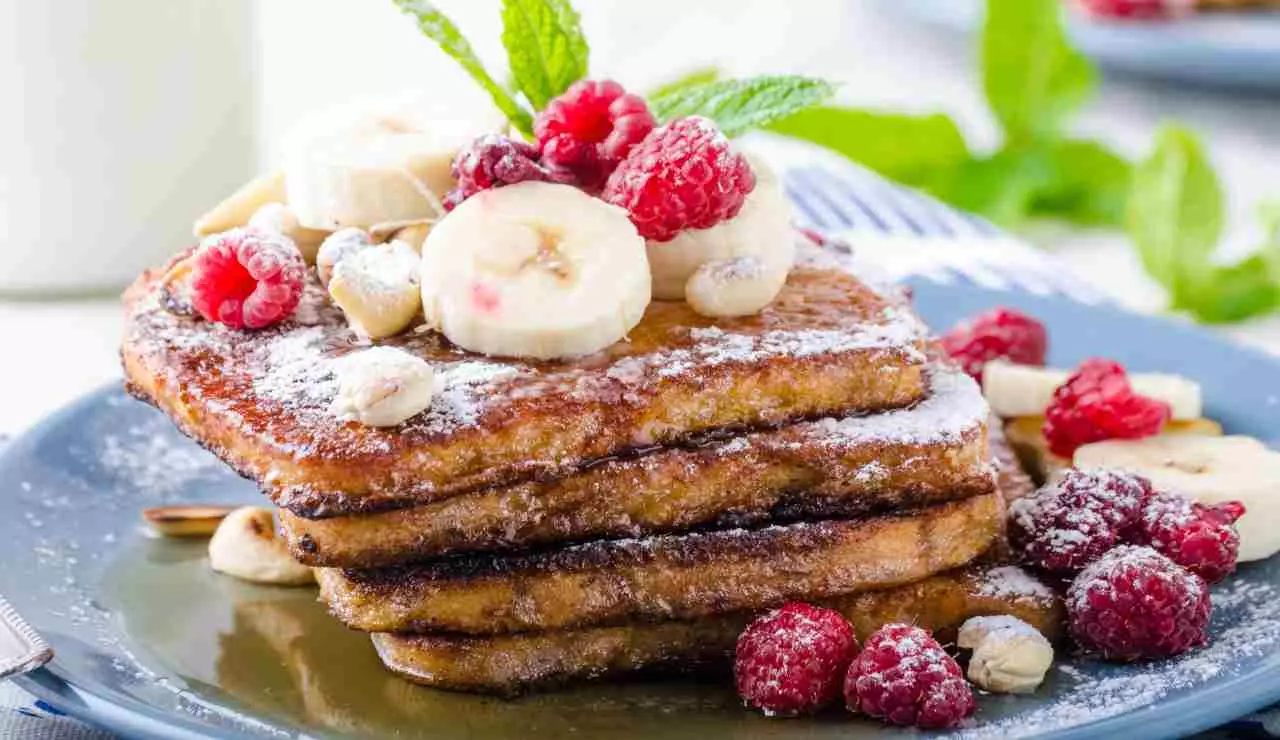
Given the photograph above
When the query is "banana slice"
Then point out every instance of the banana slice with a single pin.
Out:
(534, 270)
(245, 546)
(762, 229)
(382, 387)
(377, 167)
(278, 218)
(1025, 435)
(737, 287)
(236, 209)
(1022, 390)
(1210, 470)
(377, 287)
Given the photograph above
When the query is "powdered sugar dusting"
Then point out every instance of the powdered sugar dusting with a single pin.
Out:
(953, 407)
(1012, 581)
(293, 371)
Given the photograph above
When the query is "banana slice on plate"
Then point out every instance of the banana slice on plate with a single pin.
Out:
(245, 546)
(377, 167)
(1022, 390)
(1210, 470)
(236, 209)
(1026, 436)
(534, 270)
(762, 229)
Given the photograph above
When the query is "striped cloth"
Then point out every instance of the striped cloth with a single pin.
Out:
(894, 230)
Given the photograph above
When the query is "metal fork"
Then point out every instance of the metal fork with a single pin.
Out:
(21, 649)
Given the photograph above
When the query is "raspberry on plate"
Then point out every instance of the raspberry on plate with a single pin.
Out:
(246, 278)
(792, 660)
(903, 676)
(493, 161)
(590, 128)
(1202, 539)
(684, 175)
(1071, 522)
(1136, 9)
(1135, 603)
(1097, 403)
(999, 334)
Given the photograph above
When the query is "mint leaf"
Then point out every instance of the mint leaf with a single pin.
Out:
(909, 149)
(1175, 213)
(1000, 187)
(738, 105)
(1235, 293)
(545, 47)
(1032, 75)
(437, 27)
(692, 78)
(1090, 184)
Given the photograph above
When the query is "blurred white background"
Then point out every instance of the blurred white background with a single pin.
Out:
(133, 115)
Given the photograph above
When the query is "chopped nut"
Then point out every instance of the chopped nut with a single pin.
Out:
(245, 546)
(1009, 655)
(186, 521)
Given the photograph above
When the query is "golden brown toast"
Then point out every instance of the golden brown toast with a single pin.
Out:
(663, 577)
(933, 452)
(508, 664)
(829, 344)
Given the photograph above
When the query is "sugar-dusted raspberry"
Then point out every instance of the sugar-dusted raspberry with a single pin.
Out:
(493, 161)
(246, 278)
(1097, 403)
(1136, 603)
(684, 175)
(1137, 9)
(1073, 521)
(999, 334)
(1202, 539)
(793, 660)
(903, 676)
(590, 128)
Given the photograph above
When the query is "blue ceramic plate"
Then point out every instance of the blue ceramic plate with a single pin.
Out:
(151, 644)
(1237, 50)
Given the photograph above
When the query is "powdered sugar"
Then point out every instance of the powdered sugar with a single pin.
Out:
(292, 370)
(1012, 581)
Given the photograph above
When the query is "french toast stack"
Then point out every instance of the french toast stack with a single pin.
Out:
(548, 521)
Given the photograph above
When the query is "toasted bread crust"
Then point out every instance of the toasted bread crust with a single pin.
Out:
(828, 344)
(508, 664)
(903, 459)
(665, 577)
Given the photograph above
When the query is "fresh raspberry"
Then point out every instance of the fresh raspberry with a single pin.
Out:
(1136, 603)
(1072, 522)
(246, 278)
(999, 334)
(492, 161)
(590, 128)
(682, 176)
(1137, 9)
(1097, 403)
(792, 660)
(1202, 539)
(903, 676)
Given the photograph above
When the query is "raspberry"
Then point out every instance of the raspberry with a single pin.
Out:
(1136, 603)
(590, 128)
(1137, 9)
(1202, 539)
(792, 660)
(903, 676)
(492, 161)
(999, 334)
(682, 176)
(247, 279)
(1097, 403)
(1072, 522)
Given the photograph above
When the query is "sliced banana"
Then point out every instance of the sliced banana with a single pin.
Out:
(278, 218)
(377, 166)
(335, 248)
(534, 270)
(245, 546)
(236, 209)
(762, 229)
(1022, 390)
(378, 288)
(1210, 470)
(382, 387)
(1025, 435)
(736, 287)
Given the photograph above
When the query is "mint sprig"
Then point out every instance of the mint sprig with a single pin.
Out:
(738, 105)
(436, 26)
(545, 47)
